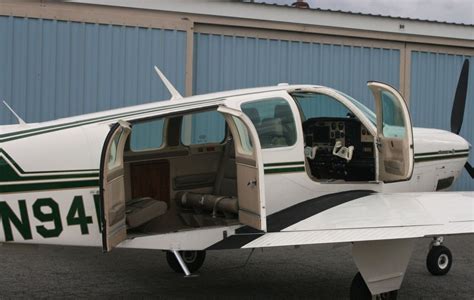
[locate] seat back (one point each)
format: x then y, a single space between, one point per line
271 133
284 113
226 180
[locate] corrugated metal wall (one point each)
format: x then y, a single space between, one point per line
54 69
230 62
434 78
224 62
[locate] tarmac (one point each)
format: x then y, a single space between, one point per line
32 271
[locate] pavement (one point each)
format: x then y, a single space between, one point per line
28 271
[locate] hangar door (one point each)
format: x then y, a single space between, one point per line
233 58
434 76
53 69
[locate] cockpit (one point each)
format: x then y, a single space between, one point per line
337 145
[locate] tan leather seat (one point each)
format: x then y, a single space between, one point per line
271 133
142 210
224 196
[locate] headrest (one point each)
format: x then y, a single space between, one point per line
272 127
283 111
252 113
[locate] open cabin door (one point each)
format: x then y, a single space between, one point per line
112 186
248 158
394 134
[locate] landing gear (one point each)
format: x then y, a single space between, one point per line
186 262
360 291
439 259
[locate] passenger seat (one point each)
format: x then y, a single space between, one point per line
224 196
142 210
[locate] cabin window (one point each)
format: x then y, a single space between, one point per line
203 128
315 105
273 120
147 135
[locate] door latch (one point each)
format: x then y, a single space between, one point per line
379 144
252 183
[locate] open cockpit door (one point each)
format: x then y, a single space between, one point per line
248 158
394 134
112 186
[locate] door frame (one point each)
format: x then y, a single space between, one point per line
103 164
379 130
257 152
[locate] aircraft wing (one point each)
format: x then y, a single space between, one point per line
368 217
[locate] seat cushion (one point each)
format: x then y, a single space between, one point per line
142 210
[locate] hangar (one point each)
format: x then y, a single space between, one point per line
64 58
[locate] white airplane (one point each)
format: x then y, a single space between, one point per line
294 165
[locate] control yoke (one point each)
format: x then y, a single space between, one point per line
343 152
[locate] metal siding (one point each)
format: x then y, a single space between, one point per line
223 62
53 69
231 62
434 78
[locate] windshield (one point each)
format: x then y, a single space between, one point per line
321 105
367 112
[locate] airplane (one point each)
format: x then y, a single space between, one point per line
285 165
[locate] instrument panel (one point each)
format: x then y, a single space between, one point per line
325 133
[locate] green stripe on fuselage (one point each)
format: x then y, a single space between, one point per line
43 186
41 130
440 157
9 174
284 170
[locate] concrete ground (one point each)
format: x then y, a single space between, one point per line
305 272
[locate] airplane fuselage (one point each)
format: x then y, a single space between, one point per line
50 174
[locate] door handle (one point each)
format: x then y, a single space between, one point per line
379 144
252 183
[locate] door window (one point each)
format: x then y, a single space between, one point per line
113 160
393 116
244 137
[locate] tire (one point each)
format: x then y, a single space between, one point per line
193 260
439 260
360 291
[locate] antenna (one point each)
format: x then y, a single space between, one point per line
175 95
20 120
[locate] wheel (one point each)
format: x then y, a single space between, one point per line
192 259
439 260
360 291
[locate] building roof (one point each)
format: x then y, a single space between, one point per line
288 14
368 14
